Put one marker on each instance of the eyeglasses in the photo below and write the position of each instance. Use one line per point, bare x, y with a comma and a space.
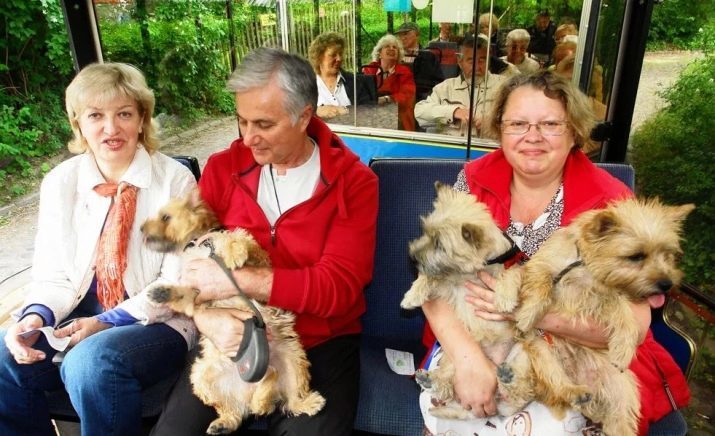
546, 128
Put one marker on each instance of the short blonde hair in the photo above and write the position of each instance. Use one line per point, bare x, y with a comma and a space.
485, 18
579, 113
320, 45
105, 82
385, 40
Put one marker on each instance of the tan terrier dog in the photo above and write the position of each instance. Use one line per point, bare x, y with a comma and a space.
459, 239
214, 376
591, 270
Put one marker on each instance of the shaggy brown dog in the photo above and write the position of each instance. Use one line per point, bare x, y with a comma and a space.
459, 239
214, 376
591, 270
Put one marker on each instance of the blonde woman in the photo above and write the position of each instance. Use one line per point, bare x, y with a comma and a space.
90, 268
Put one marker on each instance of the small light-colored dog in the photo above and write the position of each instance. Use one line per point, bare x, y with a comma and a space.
214, 376
591, 270
459, 239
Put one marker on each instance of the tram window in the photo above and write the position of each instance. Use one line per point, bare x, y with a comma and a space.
185, 49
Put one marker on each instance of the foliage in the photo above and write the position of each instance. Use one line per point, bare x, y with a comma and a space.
674, 156
676, 23
33, 73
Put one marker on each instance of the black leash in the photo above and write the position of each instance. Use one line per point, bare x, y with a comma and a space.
510, 253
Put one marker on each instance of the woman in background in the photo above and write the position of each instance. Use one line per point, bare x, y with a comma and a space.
395, 81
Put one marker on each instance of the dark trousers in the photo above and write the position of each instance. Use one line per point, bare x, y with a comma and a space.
334, 371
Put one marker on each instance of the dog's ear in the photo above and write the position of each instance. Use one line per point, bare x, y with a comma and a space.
603, 222
472, 233
680, 213
194, 199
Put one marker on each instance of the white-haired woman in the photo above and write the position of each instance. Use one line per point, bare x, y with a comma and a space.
90, 268
395, 81
517, 42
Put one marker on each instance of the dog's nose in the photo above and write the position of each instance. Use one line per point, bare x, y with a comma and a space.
664, 285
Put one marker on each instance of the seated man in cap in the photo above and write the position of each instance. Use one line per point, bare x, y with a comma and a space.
424, 64
446, 110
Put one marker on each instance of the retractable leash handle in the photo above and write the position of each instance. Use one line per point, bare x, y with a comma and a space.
252, 355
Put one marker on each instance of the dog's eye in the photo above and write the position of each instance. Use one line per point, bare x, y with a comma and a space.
437, 244
638, 257
467, 235
165, 217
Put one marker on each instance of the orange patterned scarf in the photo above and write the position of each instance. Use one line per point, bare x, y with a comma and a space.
112, 248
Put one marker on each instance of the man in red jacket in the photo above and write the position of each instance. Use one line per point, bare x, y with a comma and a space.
309, 201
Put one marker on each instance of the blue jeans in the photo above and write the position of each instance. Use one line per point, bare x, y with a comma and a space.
104, 375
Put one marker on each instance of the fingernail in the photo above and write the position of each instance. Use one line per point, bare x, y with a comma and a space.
41, 356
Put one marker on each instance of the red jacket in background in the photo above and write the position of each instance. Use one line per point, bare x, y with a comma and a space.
322, 249
400, 85
585, 187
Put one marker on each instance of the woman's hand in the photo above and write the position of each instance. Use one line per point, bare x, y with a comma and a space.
81, 328
330, 111
206, 276
475, 382
21, 348
224, 327
482, 298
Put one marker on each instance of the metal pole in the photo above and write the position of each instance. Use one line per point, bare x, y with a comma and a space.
82, 31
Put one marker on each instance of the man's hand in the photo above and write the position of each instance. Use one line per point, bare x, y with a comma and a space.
81, 328
224, 327
330, 111
462, 114
21, 348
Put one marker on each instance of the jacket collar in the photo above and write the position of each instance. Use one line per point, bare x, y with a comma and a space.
138, 174
581, 187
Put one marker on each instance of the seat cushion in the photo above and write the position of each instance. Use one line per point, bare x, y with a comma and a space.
389, 402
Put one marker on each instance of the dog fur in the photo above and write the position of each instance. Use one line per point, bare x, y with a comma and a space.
214, 376
459, 237
628, 253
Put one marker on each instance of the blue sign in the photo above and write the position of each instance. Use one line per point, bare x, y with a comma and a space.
398, 5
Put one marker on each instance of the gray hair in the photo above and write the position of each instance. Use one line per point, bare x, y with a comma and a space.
518, 35
385, 40
293, 75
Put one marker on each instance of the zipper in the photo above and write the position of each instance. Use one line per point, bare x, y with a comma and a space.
274, 227
273, 234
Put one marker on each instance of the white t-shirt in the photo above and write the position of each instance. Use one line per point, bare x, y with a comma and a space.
277, 194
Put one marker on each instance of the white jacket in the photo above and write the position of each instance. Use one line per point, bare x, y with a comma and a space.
70, 221
437, 111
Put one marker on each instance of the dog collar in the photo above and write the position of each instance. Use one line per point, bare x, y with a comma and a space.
566, 270
513, 251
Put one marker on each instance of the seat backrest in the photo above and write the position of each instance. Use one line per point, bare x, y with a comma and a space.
191, 163
406, 188
447, 50
623, 172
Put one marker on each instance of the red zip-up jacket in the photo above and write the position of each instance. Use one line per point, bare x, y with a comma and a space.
322, 249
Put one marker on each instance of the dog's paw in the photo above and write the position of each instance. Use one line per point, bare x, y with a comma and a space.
308, 405
159, 294
222, 426
505, 374
422, 377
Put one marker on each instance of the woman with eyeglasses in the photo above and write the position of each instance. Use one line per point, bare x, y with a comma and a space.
538, 181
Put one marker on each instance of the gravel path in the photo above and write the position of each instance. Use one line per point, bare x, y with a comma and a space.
18, 221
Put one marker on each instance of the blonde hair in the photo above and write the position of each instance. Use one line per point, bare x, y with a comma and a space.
579, 114
385, 40
484, 21
564, 30
99, 83
321, 44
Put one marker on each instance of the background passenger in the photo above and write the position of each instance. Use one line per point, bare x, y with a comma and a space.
335, 86
517, 42
395, 81
565, 30
542, 37
446, 110
91, 266
489, 26
445, 33
425, 65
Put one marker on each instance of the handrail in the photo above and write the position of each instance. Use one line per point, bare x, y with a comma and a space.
695, 299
